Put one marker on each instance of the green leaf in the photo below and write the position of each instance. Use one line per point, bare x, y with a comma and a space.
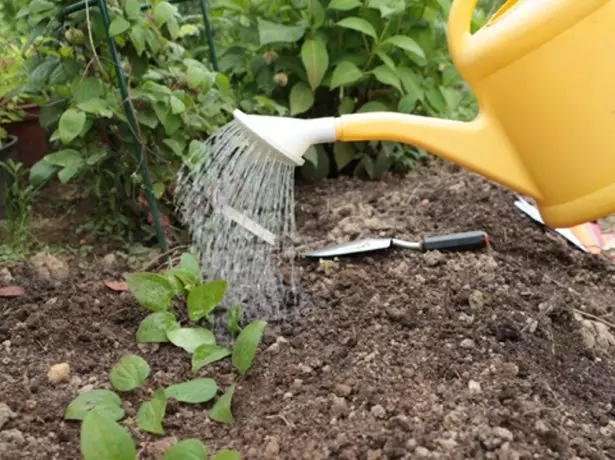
345, 74
102, 438
221, 410
195, 77
301, 98
177, 105
154, 328
410, 82
41, 172
118, 26
86, 89
189, 263
188, 449
343, 153
388, 7
204, 298
163, 12
158, 189
246, 344
344, 5
360, 25
65, 157
71, 124
105, 402
193, 391
407, 103
185, 277
227, 454
386, 76
129, 372
207, 354
436, 99
151, 290
132, 8
373, 106
151, 413
316, 12
191, 338
270, 32
315, 58
406, 44
233, 316
137, 37
175, 146
67, 173
386, 60
96, 106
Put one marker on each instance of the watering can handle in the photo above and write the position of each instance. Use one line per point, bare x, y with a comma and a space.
459, 23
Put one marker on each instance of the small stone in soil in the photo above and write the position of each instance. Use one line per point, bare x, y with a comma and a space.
59, 373
467, 344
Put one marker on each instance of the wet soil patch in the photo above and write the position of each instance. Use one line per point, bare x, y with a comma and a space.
500, 354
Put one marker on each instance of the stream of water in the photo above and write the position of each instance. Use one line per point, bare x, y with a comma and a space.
238, 204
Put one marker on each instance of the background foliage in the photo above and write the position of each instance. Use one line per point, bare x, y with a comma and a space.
303, 58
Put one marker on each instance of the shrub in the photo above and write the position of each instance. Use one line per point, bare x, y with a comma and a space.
311, 58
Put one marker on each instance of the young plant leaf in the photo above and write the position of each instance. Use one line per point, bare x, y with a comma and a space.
360, 25
151, 413
188, 449
386, 76
118, 25
343, 153
204, 298
163, 12
315, 58
71, 124
154, 328
132, 8
227, 454
151, 290
102, 438
233, 318
246, 344
207, 354
129, 372
221, 410
191, 338
344, 5
193, 391
345, 73
86, 89
189, 263
407, 44
301, 98
270, 32
181, 279
105, 402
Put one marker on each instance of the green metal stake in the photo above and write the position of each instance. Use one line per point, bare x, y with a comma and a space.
210, 38
130, 115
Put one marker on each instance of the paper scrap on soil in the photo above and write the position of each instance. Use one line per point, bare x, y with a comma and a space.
587, 237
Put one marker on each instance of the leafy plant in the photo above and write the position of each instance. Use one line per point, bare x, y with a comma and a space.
332, 57
182, 292
177, 100
18, 197
100, 412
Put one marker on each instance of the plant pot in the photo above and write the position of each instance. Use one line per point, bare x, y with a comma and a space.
32, 145
8, 150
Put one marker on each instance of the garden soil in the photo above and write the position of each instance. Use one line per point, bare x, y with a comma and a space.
504, 354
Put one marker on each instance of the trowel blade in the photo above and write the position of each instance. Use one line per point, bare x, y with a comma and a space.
352, 247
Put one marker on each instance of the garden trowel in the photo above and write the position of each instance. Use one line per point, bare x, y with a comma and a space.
464, 241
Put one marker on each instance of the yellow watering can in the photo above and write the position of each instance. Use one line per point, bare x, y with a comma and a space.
543, 72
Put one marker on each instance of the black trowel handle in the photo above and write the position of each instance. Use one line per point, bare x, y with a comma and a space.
463, 241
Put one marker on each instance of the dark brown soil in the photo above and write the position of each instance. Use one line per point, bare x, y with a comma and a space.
503, 354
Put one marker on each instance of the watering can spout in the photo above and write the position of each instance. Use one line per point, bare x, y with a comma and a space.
478, 146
